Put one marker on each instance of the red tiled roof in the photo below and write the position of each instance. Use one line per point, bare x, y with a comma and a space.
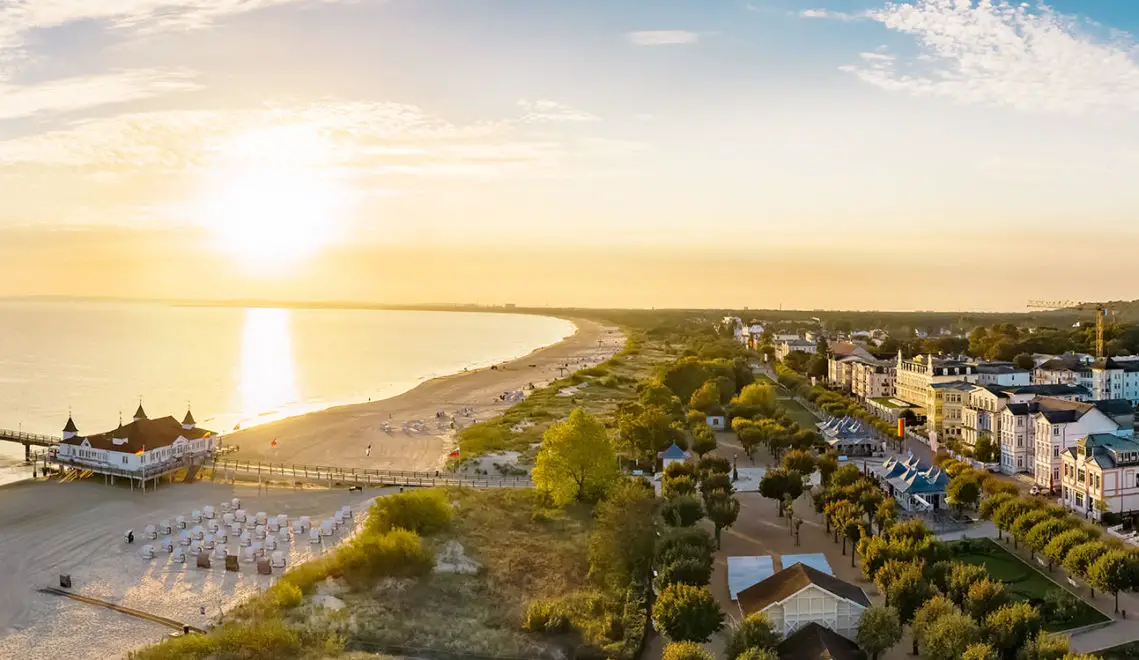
142, 433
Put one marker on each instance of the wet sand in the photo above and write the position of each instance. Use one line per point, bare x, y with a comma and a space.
340, 436
48, 528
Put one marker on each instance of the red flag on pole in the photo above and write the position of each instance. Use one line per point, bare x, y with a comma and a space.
274, 443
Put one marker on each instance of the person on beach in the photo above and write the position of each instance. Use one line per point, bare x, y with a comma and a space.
368, 451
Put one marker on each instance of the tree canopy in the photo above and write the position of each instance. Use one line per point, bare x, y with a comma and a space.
576, 460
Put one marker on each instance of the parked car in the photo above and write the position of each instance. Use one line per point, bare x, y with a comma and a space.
1035, 490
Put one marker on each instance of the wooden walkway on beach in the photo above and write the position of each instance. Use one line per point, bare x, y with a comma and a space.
29, 440
129, 611
363, 477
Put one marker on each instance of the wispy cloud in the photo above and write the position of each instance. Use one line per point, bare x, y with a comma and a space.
663, 37
1025, 57
351, 138
69, 94
544, 110
831, 15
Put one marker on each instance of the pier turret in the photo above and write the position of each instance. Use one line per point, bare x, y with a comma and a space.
188, 421
70, 430
140, 413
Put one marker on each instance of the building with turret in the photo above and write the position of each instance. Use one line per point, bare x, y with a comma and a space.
142, 448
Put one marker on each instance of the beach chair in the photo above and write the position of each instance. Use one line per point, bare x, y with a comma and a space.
184, 538
197, 533
150, 532
208, 512
277, 560
259, 532
283, 535
247, 555
272, 526
326, 528
314, 536
270, 543
212, 526
245, 540
263, 567
235, 503
228, 519
298, 527
258, 549
306, 523
231, 563
338, 518
220, 552
164, 527
225, 507
147, 551
239, 515
204, 560
282, 520
180, 522
208, 542
179, 556
196, 516
195, 548
167, 545
347, 510
261, 517
222, 536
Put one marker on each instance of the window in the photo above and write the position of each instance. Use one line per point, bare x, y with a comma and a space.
1080, 476
1055, 429
1055, 452
124, 460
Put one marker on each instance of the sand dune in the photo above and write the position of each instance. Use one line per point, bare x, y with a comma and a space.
51, 528
340, 436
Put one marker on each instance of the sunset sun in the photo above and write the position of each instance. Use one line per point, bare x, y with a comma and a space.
273, 203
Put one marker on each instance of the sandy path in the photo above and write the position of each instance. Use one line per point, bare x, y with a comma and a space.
340, 436
48, 528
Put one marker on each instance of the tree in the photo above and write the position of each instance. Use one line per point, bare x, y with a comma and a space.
1112, 571
1025, 522
961, 578
703, 440
799, 461
706, 399
686, 570
756, 395
1082, 556
948, 637
852, 530
716, 483
928, 614
986, 450
656, 394
687, 614
984, 597
817, 367
907, 591
1024, 361
645, 431
846, 475
990, 504
979, 652
1043, 532
682, 511
723, 510
838, 513
576, 461
826, 464
755, 632
1005, 515
678, 543
1058, 548
779, 482
624, 537
879, 629
685, 651
678, 486
885, 514
1010, 627
1044, 647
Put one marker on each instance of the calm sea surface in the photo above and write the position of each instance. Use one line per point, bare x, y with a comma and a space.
232, 365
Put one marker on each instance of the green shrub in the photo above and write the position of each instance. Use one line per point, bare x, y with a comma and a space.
266, 639
685, 651
421, 511
284, 595
371, 556
546, 616
308, 574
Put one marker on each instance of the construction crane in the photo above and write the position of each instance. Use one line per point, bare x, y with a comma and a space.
1100, 308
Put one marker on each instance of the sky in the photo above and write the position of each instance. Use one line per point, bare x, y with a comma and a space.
926, 154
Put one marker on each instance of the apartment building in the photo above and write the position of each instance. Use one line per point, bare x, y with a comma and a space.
985, 413
872, 379
946, 416
1007, 375
785, 347
1115, 379
841, 362
914, 377
1057, 425
1101, 473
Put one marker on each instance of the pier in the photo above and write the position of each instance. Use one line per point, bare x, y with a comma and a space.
29, 440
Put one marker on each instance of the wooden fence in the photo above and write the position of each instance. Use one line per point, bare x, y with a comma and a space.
358, 476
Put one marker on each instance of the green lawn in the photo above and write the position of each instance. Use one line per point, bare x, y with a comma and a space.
801, 415
1023, 582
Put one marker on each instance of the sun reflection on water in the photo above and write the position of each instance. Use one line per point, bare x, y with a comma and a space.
268, 374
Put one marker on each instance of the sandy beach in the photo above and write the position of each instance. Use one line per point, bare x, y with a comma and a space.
51, 528
341, 436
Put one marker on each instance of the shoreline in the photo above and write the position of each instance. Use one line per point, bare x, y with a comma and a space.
353, 435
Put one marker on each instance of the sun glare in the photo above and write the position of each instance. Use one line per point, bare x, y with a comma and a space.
273, 201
